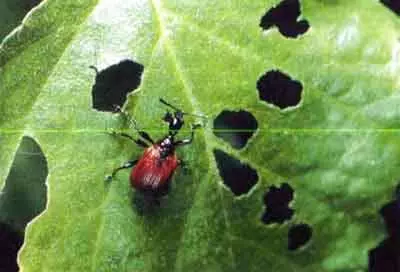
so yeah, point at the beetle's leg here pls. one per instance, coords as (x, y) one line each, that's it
(127, 164)
(188, 141)
(145, 135)
(138, 142)
(133, 122)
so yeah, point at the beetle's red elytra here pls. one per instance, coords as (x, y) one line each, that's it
(153, 171)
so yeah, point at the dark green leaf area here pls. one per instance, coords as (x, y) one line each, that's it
(24, 194)
(22, 199)
(12, 12)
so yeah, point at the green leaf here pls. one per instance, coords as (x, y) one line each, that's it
(338, 149)
(12, 12)
(24, 194)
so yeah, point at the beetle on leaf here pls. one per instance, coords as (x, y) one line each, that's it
(152, 172)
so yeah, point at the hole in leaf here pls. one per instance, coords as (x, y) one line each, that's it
(393, 5)
(239, 177)
(386, 256)
(235, 127)
(279, 89)
(277, 202)
(298, 236)
(27, 5)
(114, 83)
(10, 242)
(285, 17)
(24, 195)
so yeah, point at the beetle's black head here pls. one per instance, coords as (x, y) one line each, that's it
(175, 120)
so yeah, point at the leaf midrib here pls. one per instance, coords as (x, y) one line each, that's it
(157, 9)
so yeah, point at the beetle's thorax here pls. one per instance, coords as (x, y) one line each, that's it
(167, 146)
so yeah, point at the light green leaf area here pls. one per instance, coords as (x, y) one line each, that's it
(339, 149)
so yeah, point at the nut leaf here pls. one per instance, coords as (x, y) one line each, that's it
(338, 148)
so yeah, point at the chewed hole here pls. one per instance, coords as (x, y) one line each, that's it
(397, 192)
(386, 256)
(391, 215)
(393, 5)
(277, 202)
(24, 195)
(10, 242)
(298, 236)
(285, 17)
(239, 177)
(114, 83)
(28, 5)
(277, 88)
(235, 127)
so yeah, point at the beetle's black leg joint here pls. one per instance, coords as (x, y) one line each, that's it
(141, 143)
(138, 142)
(133, 122)
(145, 136)
(127, 164)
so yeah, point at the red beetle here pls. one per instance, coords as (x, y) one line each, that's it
(153, 171)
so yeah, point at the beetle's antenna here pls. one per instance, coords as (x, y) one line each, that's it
(94, 68)
(179, 110)
(169, 105)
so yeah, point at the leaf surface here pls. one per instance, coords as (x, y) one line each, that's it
(338, 149)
